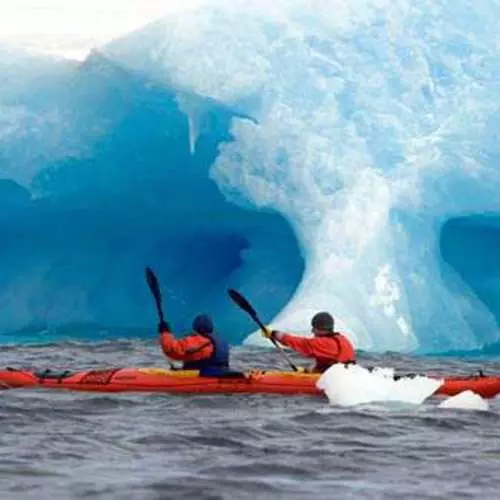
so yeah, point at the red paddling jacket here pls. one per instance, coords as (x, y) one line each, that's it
(326, 350)
(197, 351)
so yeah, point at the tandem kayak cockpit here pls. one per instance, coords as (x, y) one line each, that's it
(153, 379)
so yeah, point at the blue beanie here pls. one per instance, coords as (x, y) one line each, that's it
(203, 324)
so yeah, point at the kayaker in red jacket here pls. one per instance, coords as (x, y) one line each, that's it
(327, 346)
(200, 350)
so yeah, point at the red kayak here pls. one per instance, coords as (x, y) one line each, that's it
(182, 381)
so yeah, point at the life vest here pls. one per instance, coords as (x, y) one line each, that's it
(218, 359)
(346, 353)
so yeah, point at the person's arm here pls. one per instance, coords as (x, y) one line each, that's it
(315, 347)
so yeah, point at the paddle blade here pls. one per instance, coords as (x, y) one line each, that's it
(240, 301)
(152, 282)
(154, 286)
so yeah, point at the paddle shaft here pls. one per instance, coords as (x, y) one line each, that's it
(159, 307)
(278, 346)
(243, 303)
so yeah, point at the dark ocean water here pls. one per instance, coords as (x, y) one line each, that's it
(62, 445)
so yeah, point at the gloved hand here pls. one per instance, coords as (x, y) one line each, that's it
(268, 333)
(163, 326)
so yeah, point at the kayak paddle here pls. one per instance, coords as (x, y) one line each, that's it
(154, 286)
(243, 303)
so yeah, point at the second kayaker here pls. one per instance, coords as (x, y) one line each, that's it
(327, 347)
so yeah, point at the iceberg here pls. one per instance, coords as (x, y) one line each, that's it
(338, 162)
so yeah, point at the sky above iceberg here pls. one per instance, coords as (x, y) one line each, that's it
(71, 28)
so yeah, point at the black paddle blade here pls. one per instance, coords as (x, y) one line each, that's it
(239, 300)
(154, 286)
(152, 282)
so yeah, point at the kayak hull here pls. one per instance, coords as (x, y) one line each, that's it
(189, 382)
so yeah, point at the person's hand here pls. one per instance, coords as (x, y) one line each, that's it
(163, 327)
(267, 333)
